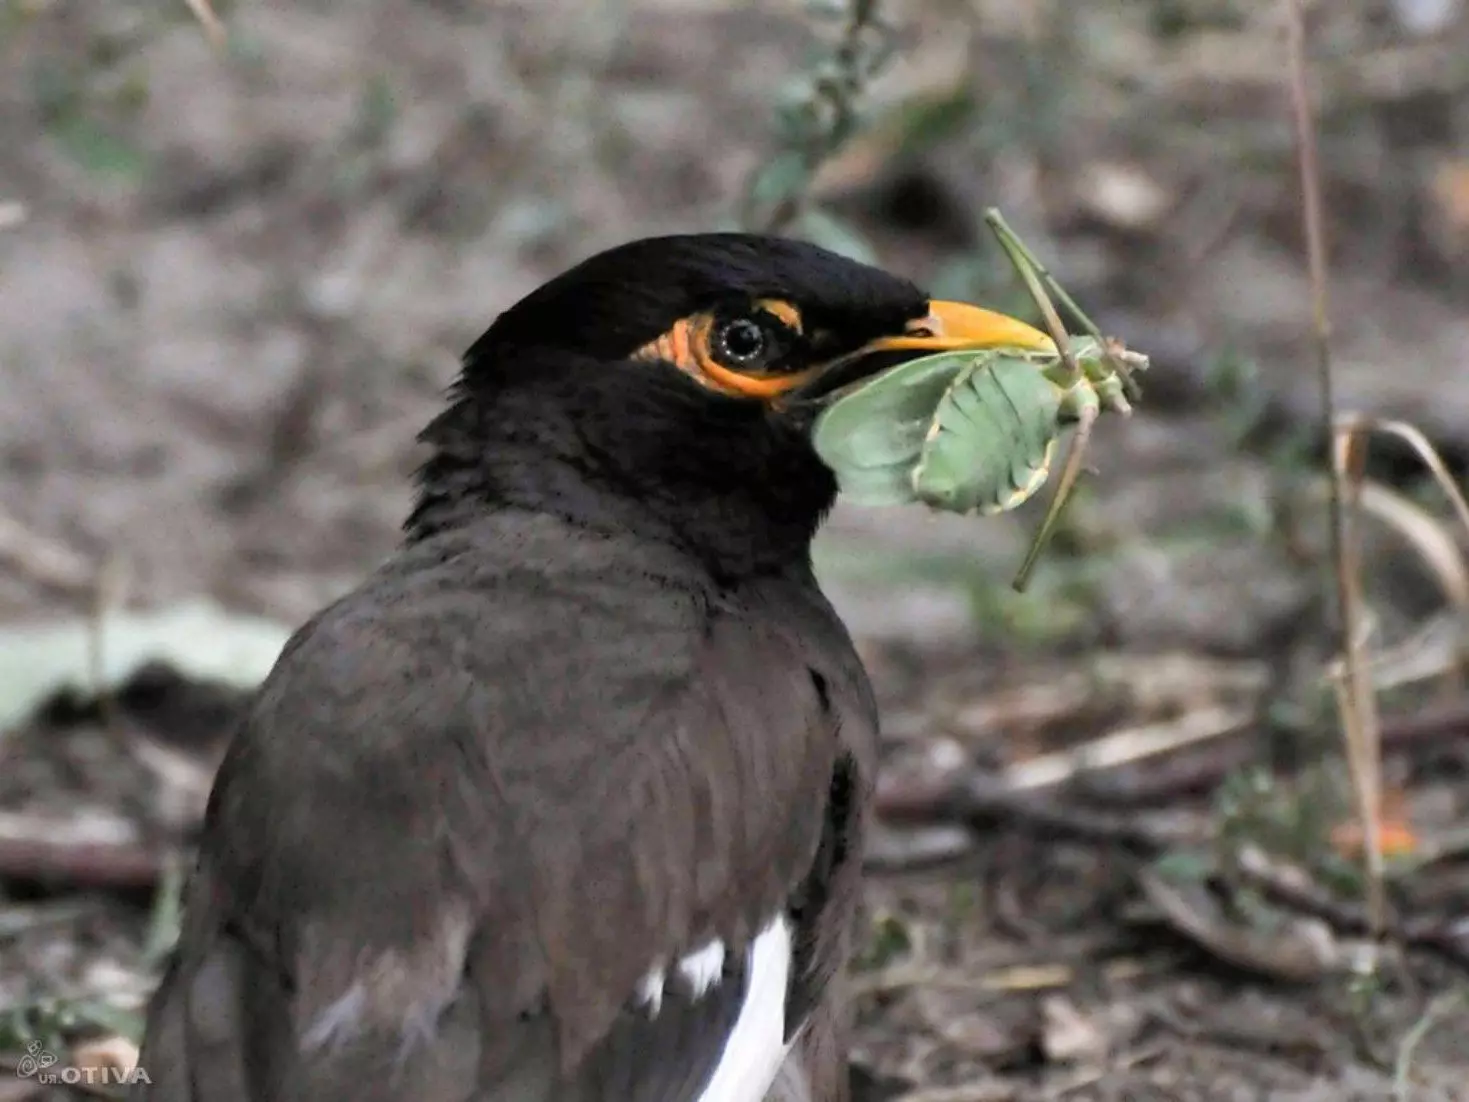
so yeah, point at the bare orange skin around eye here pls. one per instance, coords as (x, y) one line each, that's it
(686, 346)
(788, 314)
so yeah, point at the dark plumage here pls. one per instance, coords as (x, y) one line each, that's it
(593, 717)
(615, 442)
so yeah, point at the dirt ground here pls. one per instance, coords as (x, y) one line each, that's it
(1116, 856)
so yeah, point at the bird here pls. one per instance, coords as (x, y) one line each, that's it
(566, 800)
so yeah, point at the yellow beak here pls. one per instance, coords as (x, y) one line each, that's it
(953, 326)
(948, 327)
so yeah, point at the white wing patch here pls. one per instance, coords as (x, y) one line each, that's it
(756, 1047)
(703, 967)
(650, 991)
(701, 970)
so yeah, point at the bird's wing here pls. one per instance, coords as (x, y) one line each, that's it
(486, 835)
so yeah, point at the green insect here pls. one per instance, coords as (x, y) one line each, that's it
(993, 435)
(976, 431)
(966, 432)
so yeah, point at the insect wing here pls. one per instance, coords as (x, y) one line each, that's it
(990, 445)
(872, 437)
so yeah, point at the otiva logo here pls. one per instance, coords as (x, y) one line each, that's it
(38, 1062)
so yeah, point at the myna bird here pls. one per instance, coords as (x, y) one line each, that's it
(566, 801)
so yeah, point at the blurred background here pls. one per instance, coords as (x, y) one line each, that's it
(238, 263)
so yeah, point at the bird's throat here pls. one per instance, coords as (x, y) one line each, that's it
(727, 481)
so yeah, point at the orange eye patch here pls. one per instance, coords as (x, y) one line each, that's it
(693, 346)
(789, 316)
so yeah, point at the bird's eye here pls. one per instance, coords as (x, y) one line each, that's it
(740, 341)
(754, 349)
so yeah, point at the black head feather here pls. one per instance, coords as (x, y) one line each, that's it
(613, 303)
(551, 414)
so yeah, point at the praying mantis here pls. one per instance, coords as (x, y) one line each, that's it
(976, 431)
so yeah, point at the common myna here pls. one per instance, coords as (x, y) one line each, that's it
(566, 800)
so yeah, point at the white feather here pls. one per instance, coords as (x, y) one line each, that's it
(756, 1046)
(700, 969)
(650, 991)
(703, 967)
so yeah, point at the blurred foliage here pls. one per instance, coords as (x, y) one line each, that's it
(818, 112)
(1058, 605)
(90, 96)
(888, 940)
(1297, 820)
(55, 1023)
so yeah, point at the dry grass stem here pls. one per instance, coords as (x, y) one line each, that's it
(1437, 1011)
(1425, 533)
(1359, 425)
(1355, 703)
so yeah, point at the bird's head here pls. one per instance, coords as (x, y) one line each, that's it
(666, 385)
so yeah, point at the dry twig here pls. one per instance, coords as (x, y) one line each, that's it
(1127, 746)
(978, 797)
(214, 29)
(954, 791)
(96, 854)
(44, 561)
(1301, 951)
